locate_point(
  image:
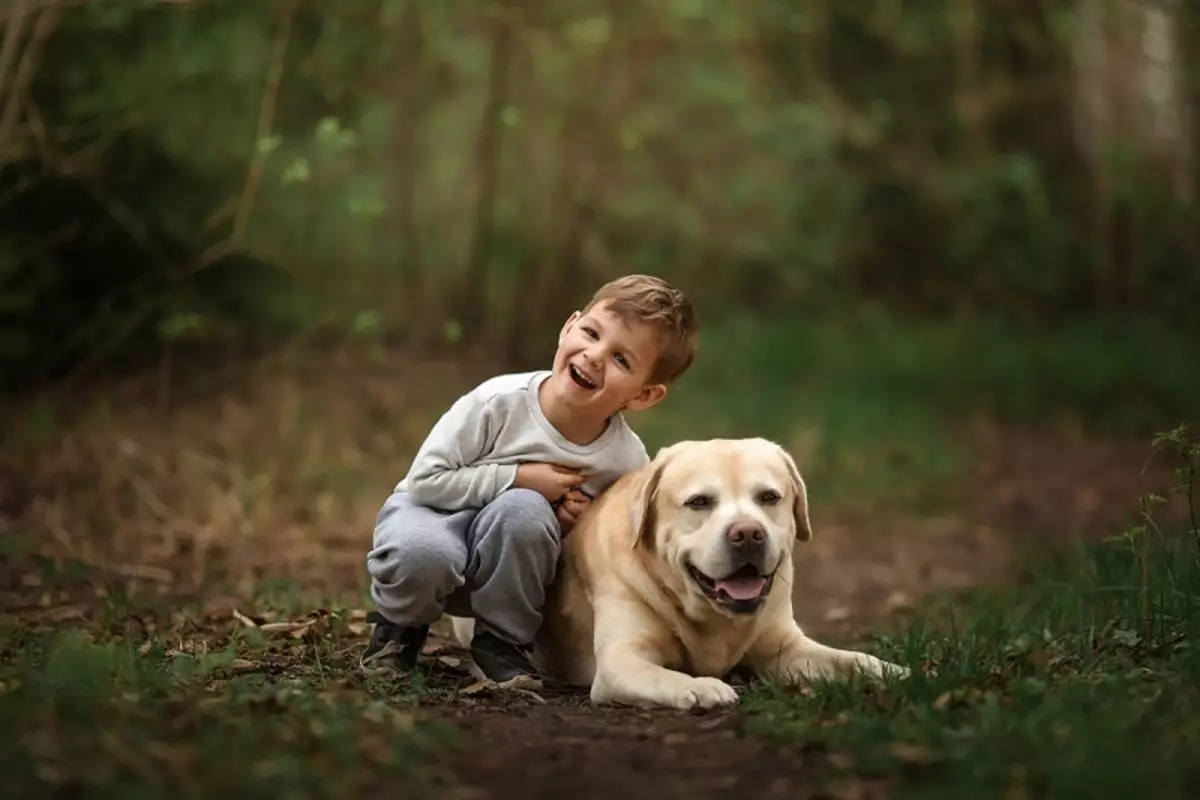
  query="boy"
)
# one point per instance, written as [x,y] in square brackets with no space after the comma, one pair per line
[473,529]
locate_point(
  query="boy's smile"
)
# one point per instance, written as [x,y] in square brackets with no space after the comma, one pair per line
[602,366]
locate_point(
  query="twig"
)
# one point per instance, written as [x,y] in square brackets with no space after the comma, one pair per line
[71,164]
[1189,459]
[11,43]
[42,29]
[15,11]
[126,218]
[266,119]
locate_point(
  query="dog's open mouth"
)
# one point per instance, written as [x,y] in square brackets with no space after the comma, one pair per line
[743,590]
[580,379]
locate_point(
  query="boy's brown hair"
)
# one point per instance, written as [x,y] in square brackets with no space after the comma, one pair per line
[652,301]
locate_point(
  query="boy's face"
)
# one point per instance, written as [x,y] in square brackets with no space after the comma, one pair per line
[603,364]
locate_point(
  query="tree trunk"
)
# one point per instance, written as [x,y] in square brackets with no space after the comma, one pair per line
[417,302]
[472,294]
[1128,92]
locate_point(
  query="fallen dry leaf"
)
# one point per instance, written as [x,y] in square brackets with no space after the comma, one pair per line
[911,753]
[63,613]
[840,759]
[242,618]
[285,627]
[478,687]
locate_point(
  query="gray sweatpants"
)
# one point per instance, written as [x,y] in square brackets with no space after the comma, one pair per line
[492,564]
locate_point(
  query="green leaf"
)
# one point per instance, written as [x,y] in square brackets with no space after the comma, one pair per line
[297,172]
[268,144]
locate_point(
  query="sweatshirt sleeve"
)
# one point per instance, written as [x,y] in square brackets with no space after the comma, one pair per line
[444,474]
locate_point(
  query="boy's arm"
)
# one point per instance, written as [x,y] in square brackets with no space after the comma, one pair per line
[444,473]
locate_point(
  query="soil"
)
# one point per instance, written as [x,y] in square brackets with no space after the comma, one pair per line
[569,750]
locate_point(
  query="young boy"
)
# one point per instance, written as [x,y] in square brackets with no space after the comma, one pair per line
[473,529]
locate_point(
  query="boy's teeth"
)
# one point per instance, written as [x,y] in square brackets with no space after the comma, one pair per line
[580,377]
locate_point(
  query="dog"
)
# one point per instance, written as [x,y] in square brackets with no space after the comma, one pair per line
[681,572]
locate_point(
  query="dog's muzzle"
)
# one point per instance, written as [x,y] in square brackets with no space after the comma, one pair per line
[745,588]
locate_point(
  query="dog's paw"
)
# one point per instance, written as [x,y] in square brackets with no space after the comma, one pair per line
[704,693]
[878,668]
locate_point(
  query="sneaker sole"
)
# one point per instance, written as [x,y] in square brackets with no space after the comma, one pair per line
[382,662]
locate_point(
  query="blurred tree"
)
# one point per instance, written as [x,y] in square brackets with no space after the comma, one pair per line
[444,172]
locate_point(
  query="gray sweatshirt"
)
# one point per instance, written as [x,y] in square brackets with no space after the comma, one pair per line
[472,452]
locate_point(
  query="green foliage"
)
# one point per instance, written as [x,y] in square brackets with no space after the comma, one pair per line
[869,401]
[764,156]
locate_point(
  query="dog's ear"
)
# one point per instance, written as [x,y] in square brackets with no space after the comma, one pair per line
[800,504]
[642,510]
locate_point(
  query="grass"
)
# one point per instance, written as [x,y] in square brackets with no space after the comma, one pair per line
[874,406]
[1086,683]
[153,698]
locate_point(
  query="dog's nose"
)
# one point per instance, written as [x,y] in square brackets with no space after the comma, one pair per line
[743,533]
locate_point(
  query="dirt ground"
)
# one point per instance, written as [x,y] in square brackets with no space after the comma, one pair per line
[566,749]
[174,498]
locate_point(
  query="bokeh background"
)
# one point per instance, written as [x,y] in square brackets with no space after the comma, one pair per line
[948,254]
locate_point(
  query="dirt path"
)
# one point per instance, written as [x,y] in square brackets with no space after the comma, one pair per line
[566,749]
[217,486]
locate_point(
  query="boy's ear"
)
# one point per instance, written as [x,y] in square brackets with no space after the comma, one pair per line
[648,397]
[567,325]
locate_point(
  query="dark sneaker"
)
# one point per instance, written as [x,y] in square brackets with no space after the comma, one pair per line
[393,648]
[504,663]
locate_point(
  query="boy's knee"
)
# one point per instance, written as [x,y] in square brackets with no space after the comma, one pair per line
[521,519]
[521,503]
[520,510]
[412,557]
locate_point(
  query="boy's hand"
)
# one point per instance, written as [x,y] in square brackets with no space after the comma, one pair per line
[571,507]
[549,480]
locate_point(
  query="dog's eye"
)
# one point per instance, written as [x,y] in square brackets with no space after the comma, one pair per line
[698,501]
[768,497]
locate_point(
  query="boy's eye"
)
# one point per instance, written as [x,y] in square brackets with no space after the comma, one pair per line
[591,332]
[624,362]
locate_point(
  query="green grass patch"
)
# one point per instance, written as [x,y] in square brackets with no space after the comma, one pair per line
[1086,683]
[176,702]
[870,402]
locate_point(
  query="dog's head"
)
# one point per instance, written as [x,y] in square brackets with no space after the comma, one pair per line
[721,516]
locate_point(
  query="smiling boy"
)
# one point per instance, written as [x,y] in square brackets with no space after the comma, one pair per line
[474,528]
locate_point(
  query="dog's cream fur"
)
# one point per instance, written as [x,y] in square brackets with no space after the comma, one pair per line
[628,618]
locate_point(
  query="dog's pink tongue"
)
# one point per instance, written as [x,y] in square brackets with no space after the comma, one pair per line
[746,588]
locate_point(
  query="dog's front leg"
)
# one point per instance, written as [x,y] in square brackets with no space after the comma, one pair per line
[631,649]
[788,656]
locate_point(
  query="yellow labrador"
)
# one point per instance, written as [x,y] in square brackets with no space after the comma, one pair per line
[682,571]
